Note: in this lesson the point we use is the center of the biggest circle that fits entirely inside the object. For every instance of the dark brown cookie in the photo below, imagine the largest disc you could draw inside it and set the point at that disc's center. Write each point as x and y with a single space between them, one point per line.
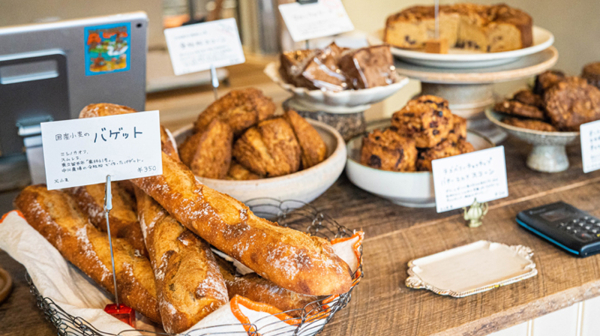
547 79
591 72
388 150
426 119
516 108
572 102
527 97
536 125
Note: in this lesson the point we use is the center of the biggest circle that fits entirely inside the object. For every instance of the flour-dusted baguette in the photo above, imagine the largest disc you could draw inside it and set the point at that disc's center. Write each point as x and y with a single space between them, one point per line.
258 289
188 282
291 259
122 217
56 217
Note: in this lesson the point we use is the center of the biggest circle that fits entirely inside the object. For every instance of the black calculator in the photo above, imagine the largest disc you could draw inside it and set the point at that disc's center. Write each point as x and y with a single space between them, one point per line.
565 226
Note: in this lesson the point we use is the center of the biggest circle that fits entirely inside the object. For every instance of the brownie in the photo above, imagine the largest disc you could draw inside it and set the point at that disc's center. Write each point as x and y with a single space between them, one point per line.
536 125
369 67
447 148
516 108
572 102
388 150
591 72
292 63
426 119
321 71
527 97
547 79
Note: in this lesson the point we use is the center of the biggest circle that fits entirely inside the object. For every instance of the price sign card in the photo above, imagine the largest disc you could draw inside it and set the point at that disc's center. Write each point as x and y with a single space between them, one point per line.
590 146
83 151
308 21
199 46
459 180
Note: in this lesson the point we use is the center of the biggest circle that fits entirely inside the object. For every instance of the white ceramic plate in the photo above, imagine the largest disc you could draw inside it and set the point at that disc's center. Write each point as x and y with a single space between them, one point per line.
471 269
304 186
460 58
414 189
346 98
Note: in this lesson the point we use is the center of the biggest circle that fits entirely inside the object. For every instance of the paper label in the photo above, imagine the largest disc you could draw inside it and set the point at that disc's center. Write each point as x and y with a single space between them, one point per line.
199 46
459 180
590 146
107 48
308 21
83 151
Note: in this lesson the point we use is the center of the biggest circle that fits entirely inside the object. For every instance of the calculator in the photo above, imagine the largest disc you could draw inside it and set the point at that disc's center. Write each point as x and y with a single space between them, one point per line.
565 226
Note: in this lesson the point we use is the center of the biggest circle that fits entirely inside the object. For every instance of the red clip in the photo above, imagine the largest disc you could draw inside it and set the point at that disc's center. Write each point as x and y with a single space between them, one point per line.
122 313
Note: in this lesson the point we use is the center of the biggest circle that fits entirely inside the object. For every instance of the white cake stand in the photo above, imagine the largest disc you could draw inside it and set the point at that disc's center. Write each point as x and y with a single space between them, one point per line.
470 91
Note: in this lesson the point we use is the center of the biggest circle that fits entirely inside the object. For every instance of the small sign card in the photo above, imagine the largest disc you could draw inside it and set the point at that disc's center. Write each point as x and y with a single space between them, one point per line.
308 21
83 151
459 180
201 46
590 146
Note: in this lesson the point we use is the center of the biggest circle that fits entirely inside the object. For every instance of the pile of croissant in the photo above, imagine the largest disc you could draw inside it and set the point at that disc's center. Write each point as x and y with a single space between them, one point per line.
164 227
238 138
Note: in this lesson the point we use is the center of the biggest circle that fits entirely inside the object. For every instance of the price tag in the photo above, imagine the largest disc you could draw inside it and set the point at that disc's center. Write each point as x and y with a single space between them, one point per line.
83 151
308 21
590 146
199 46
459 180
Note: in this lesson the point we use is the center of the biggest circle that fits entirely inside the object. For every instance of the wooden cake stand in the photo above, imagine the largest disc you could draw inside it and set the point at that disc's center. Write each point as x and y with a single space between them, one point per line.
470 91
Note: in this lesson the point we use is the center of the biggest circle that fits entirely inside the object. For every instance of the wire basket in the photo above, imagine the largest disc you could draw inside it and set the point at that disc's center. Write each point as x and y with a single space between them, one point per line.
309 320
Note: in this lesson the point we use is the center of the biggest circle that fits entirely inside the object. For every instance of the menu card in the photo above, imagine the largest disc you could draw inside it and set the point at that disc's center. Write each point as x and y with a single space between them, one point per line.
459 180
83 151
590 146
313 20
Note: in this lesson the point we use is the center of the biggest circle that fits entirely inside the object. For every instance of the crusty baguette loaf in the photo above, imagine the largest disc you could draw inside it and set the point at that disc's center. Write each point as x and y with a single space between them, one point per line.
258 289
289 258
188 282
56 217
122 217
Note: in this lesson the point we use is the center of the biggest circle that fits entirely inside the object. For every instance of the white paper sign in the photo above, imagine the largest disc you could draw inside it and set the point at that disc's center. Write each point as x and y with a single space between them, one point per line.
199 46
459 180
83 151
308 21
590 146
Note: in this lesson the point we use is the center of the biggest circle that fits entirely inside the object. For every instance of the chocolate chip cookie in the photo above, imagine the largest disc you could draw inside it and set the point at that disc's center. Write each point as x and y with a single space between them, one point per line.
387 150
572 102
426 119
447 148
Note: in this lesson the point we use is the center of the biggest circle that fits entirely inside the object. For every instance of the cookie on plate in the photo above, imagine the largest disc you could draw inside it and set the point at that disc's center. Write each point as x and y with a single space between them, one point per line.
572 102
446 148
546 80
591 72
427 119
516 108
387 150
536 125
527 97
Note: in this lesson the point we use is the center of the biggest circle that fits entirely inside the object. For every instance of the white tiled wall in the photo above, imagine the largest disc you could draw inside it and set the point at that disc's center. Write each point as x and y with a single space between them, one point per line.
582 319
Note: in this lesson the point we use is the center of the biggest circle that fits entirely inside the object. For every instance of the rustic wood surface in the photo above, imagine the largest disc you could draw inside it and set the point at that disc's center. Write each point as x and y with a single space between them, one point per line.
382 304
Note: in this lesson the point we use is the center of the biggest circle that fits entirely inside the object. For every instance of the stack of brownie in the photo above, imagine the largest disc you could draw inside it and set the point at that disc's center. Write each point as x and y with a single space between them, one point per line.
423 131
556 103
336 69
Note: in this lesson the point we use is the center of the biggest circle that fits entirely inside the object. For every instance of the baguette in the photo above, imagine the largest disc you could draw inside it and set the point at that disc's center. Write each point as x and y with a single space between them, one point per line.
188 282
56 217
123 218
289 258
262 290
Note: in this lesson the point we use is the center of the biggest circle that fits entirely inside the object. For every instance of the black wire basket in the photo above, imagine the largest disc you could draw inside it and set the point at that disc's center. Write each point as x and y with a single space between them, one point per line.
307 321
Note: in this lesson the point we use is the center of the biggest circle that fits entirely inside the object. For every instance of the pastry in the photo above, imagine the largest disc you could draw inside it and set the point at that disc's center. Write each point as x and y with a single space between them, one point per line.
167 142
369 67
289 258
572 102
591 72
189 285
321 71
446 148
292 63
103 110
527 97
122 217
547 79
262 290
187 149
516 108
269 149
459 128
482 28
313 148
55 216
239 108
536 125
213 151
426 119
388 150
240 173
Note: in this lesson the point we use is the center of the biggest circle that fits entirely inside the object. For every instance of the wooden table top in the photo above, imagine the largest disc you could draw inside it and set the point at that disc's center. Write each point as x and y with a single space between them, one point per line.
382 304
